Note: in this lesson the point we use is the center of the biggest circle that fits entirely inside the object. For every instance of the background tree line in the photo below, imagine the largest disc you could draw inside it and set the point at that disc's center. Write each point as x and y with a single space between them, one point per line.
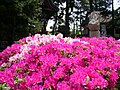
18 18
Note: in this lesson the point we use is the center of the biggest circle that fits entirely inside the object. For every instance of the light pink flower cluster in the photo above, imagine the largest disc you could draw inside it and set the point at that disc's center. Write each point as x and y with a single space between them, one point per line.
48 62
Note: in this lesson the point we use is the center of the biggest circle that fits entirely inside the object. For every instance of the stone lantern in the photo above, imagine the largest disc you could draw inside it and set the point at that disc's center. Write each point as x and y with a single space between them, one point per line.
94 30
95 18
94 25
103 29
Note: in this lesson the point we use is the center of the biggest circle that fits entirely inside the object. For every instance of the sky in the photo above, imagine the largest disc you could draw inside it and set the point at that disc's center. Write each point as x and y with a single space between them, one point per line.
116 5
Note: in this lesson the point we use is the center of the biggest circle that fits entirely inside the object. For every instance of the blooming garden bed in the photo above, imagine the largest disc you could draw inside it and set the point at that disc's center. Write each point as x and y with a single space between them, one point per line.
48 62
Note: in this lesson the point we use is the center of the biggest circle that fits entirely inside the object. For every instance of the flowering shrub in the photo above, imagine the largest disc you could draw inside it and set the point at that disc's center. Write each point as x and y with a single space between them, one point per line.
48 62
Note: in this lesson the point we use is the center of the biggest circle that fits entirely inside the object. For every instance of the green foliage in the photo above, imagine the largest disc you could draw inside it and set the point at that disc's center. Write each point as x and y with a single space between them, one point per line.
18 18
4 87
76 12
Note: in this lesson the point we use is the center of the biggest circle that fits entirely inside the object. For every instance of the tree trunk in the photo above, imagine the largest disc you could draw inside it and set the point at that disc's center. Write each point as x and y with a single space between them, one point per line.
91 5
67 17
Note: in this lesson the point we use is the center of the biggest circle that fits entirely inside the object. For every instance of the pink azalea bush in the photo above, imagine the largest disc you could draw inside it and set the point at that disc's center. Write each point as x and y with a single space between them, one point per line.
49 62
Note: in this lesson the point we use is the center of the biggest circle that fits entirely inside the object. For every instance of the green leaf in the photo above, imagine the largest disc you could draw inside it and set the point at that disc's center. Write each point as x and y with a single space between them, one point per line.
87 79
115 88
1 68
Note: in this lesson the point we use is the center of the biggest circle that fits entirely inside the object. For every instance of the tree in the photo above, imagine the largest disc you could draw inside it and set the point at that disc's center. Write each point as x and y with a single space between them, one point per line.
49 9
17 17
76 11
